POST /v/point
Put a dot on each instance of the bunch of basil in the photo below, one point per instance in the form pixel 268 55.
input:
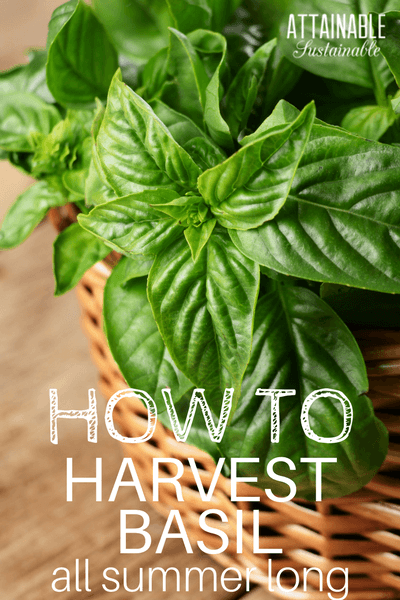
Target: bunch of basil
pixel 227 210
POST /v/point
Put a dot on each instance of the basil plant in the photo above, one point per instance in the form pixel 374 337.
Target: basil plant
pixel 186 135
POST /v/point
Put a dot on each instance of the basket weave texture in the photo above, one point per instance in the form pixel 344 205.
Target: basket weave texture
pixel 360 532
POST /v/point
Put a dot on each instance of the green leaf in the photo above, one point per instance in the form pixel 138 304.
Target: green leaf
pixel 283 114
pixel 370 122
pixel 75 181
pixel 97 190
pixel 155 73
pixel 66 147
pixel 198 145
pixel 97 119
pixel 27 212
pixel 281 77
pixel 81 59
pixel 244 88
pixel 189 15
pixel 251 186
pixel 22 116
pixel 197 237
pixel 395 102
pixel 74 252
pixel 131 226
pixel 299 343
pixel 136 150
pixel 222 11
pixel 61 15
pixel 28 78
pixel 396 105
pixel 208 42
pixel 340 223
pixel 135 266
pixel 390 43
pixel 205 311
pixel 178 208
pixel 138 29
pixel 188 96
pixel 364 70
pixel 135 341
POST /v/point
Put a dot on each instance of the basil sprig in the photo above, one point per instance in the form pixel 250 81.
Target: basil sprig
pixel 228 214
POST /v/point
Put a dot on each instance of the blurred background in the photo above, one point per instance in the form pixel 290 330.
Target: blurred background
pixel 42 347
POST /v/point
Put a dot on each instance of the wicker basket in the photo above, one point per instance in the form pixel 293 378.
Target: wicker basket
pixel 360 531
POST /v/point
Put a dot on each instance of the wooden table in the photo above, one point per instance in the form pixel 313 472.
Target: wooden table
pixel 42 347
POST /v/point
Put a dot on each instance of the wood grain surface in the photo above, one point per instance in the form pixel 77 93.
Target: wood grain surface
pixel 42 347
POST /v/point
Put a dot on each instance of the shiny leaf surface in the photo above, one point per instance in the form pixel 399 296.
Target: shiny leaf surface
pixel 135 341
pixel 27 212
pixel 22 117
pixel 131 226
pixel 136 150
pixel 299 343
pixel 81 59
pixel 341 221
pixel 252 185
pixel 75 251
pixel 205 311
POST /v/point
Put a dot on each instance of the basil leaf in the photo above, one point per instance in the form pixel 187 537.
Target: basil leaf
pixel 22 117
pixel 198 435
pixel 135 266
pixel 28 211
pixel 208 42
pixel 370 122
pixel 97 191
pixel 361 69
pixel 178 207
pixel 66 147
pixel 281 77
pixel 131 226
pixel 300 343
pixel 136 150
pixel 283 114
pixel 244 88
pixel 135 341
pixel 97 120
pixel 74 182
pixel 396 105
pixel 340 223
pixel 189 15
pixel 28 78
pixel 251 186
pixel 390 43
pixel 198 145
pixel 74 179
pixel 74 252
pixel 188 96
pixel 222 11
pixel 61 15
pixel 197 237
pixel 205 311
pixel 155 73
pixel 138 29
pixel 81 59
